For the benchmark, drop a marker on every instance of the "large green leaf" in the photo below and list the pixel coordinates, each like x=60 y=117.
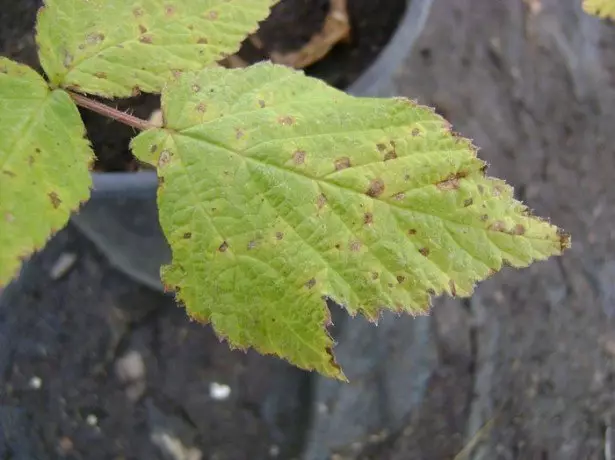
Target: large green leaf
x=600 y=8
x=119 y=47
x=277 y=191
x=44 y=161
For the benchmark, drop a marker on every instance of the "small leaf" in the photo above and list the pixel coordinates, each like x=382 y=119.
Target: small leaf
x=120 y=47
x=600 y=8
x=44 y=162
x=277 y=191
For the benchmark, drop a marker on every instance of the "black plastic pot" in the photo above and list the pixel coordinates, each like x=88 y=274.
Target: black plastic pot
x=121 y=216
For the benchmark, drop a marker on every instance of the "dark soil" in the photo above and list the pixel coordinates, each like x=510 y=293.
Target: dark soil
x=291 y=24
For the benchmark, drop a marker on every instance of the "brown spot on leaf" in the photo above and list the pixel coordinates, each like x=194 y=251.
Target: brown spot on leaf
x=355 y=246
x=453 y=288
x=196 y=88
x=261 y=103
x=310 y=283
x=518 y=230
x=286 y=120
x=94 y=38
x=213 y=15
x=375 y=275
x=279 y=236
x=55 y=199
x=299 y=157
x=390 y=155
x=401 y=279
x=202 y=41
x=368 y=218
x=381 y=147
x=138 y=11
x=338 y=246
x=452 y=181
x=169 y=10
x=102 y=75
x=153 y=148
x=416 y=132
x=145 y=39
x=223 y=247
x=424 y=251
x=6 y=172
x=498 y=226
x=497 y=191
x=468 y=202
x=430 y=291
x=142 y=28
x=484 y=217
x=321 y=200
x=376 y=188
x=342 y=163
x=239 y=133
x=399 y=196
x=251 y=245
x=187 y=235
x=480 y=188
x=202 y=108
x=412 y=231
x=564 y=239
x=68 y=59
x=165 y=158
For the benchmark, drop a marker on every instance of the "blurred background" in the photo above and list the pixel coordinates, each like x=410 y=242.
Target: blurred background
x=94 y=365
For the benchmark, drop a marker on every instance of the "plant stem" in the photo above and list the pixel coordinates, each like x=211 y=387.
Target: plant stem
x=110 y=112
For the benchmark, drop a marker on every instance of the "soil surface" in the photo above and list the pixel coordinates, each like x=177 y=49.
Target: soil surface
x=93 y=366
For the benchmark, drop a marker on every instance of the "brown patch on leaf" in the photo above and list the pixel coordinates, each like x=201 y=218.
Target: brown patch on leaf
x=376 y=188
x=6 y=172
x=279 y=236
x=518 y=230
x=196 y=88
x=202 y=108
x=223 y=247
x=286 y=120
x=431 y=291
x=452 y=181
x=342 y=163
x=375 y=275
x=202 y=41
x=213 y=15
x=145 y=39
x=453 y=288
x=399 y=196
x=416 y=132
x=498 y=226
x=239 y=133
x=480 y=188
x=153 y=148
x=338 y=246
x=381 y=147
x=299 y=157
x=310 y=283
x=137 y=12
x=484 y=217
x=95 y=38
x=142 y=28
x=390 y=155
x=187 y=235
x=564 y=239
x=102 y=75
x=468 y=202
x=401 y=279
x=321 y=200
x=55 y=199
x=165 y=158
x=169 y=10
x=368 y=218
x=424 y=251
x=412 y=231
x=261 y=103
x=355 y=246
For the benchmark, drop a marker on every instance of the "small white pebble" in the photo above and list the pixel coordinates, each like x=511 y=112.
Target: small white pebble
x=274 y=451
x=61 y=267
x=35 y=383
x=219 y=391
x=91 y=420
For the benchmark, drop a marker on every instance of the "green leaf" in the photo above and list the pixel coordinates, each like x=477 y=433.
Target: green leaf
x=44 y=161
x=277 y=191
x=121 y=47
x=600 y=8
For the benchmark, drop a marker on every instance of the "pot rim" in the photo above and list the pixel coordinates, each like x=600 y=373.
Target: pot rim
x=411 y=24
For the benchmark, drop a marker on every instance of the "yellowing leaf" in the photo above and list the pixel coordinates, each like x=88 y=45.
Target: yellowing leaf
x=600 y=8
x=277 y=191
x=44 y=162
x=119 y=47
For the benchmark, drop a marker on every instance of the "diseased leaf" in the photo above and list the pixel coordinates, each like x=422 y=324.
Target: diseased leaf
x=44 y=162
x=277 y=191
x=600 y=8
x=120 y=47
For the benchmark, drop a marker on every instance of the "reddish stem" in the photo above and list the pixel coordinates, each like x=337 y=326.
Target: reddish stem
x=110 y=112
